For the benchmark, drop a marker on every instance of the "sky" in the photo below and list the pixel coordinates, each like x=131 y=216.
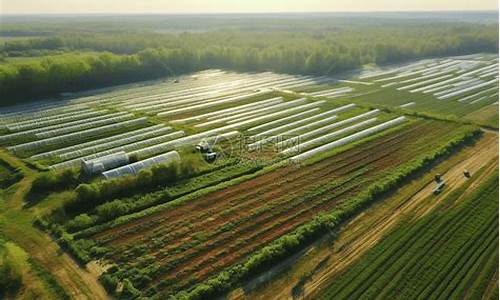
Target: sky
x=234 y=6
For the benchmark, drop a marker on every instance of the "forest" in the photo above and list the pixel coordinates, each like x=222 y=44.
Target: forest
x=40 y=62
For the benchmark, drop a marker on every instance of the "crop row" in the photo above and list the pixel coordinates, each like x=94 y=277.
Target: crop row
x=430 y=258
x=269 y=182
x=358 y=153
x=288 y=243
x=386 y=162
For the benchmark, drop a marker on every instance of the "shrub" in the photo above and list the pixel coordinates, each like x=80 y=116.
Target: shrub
x=10 y=279
x=89 y=196
x=111 y=210
x=109 y=283
x=76 y=248
x=287 y=244
x=165 y=174
x=52 y=181
x=129 y=291
x=86 y=192
x=13 y=265
x=79 y=222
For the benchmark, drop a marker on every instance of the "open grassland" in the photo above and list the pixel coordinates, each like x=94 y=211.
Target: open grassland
x=449 y=253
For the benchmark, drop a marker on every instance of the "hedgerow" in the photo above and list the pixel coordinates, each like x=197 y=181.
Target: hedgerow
x=289 y=243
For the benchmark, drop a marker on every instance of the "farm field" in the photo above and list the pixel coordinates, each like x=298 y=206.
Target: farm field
x=261 y=150
x=323 y=263
x=151 y=119
x=146 y=121
x=463 y=87
x=115 y=177
x=186 y=242
x=465 y=267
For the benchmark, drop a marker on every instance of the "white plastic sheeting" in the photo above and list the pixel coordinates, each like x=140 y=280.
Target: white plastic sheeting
x=142 y=133
x=489 y=67
x=478 y=99
x=409 y=104
x=32 y=124
x=332 y=92
x=134 y=168
x=216 y=91
x=267 y=139
x=284 y=120
x=207 y=105
x=278 y=114
x=298 y=146
x=348 y=139
x=459 y=85
x=433 y=74
x=125 y=148
x=429 y=88
x=477 y=94
x=321 y=130
x=74 y=125
x=491 y=73
x=146 y=138
x=252 y=113
x=167 y=146
x=468 y=89
x=39 y=113
x=241 y=114
x=227 y=111
x=297 y=123
x=75 y=136
x=99 y=165
x=85 y=124
x=423 y=82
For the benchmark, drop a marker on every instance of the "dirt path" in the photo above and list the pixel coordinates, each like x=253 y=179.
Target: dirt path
x=363 y=232
x=16 y=224
x=480 y=156
x=483 y=156
x=76 y=281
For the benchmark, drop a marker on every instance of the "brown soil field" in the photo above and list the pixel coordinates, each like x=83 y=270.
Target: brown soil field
x=356 y=237
x=204 y=236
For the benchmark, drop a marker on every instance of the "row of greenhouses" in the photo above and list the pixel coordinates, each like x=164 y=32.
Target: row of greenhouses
x=456 y=78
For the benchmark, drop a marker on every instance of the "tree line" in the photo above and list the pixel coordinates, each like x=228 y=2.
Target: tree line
x=103 y=59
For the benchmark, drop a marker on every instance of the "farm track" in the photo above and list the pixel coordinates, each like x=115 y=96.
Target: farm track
x=434 y=233
x=259 y=215
x=389 y=259
x=409 y=242
x=487 y=156
x=364 y=231
x=16 y=224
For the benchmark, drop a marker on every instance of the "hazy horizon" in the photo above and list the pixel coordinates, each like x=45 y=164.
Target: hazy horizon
x=246 y=13
x=78 y=7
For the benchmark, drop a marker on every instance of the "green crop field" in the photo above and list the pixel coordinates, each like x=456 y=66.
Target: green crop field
x=251 y=156
x=451 y=253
